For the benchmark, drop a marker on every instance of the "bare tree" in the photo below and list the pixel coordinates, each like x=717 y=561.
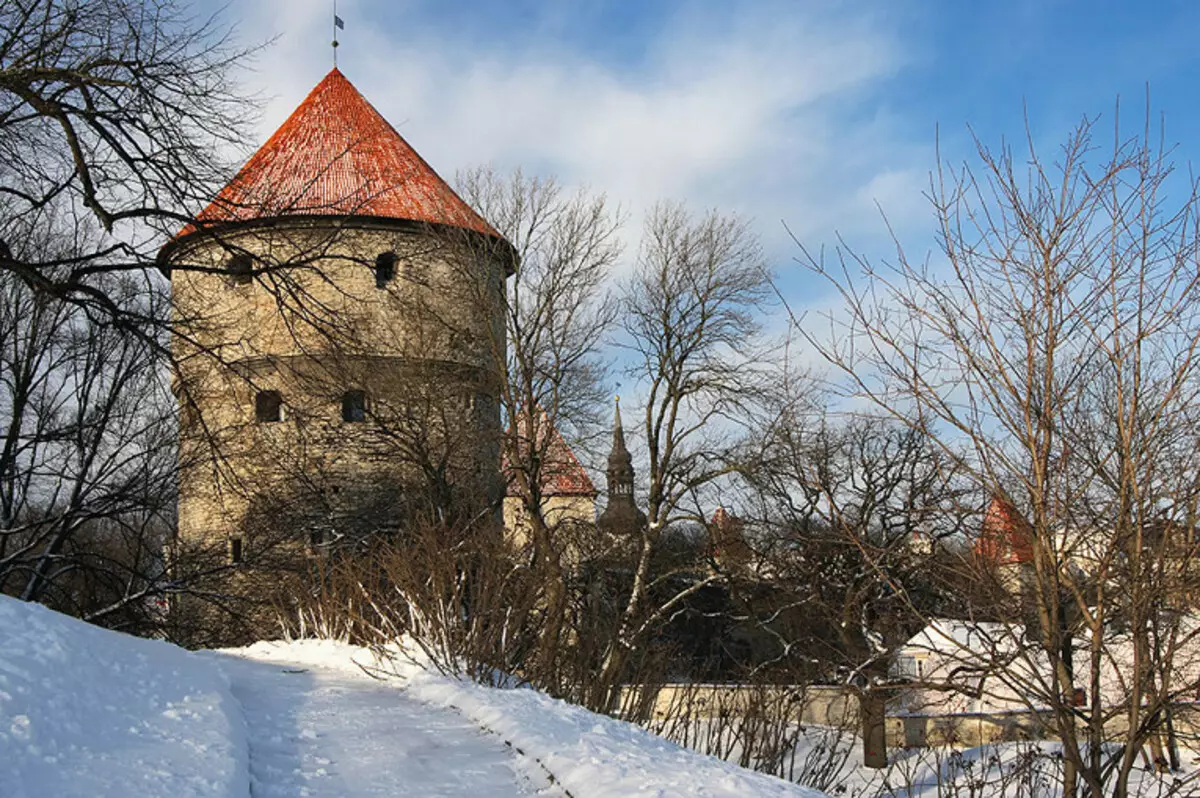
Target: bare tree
x=853 y=520
x=691 y=328
x=557 y=313
x=115 y=114
x=116 y=120
x=1055 y=346
x=87 y=458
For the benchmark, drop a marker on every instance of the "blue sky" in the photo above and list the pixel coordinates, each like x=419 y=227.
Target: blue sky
x=808 y=113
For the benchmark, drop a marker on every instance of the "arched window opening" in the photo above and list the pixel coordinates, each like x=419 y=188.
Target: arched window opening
x=240 y=268
x=354 y=406
x=268 y=407
x=385 y=268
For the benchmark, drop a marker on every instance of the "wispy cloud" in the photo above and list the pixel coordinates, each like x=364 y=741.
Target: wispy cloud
x=765 y=109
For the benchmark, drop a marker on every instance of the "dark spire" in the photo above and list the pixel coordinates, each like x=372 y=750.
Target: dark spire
x=620 y=455
x=622 y=515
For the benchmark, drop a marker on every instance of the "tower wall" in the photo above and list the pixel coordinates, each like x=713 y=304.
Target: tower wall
x=314 y=324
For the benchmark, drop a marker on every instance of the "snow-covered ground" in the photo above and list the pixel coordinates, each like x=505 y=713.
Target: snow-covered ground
x=85 y=711
x=88 y=712
x=831 y=759
x=585 y=754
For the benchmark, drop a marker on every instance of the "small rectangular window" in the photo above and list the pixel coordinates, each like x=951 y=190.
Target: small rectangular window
x=354 y=406
x=268 y=407
x=240 y=269
x=235 y=550
x=385 y=268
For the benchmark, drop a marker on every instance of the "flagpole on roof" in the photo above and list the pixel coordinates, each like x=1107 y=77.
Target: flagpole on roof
x=337 y=23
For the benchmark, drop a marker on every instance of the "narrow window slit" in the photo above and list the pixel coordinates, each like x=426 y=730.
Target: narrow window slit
x=240 y=269
x=268 y=407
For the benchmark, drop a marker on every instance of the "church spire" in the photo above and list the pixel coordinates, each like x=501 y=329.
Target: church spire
x=622 y=515
x=619 y=457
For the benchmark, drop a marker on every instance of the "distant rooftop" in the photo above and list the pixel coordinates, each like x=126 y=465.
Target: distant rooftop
x=562 y=473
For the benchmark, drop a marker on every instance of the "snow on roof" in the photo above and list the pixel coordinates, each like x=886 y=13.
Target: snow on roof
x=950 y=635
x=337 y=156
x=996 y=668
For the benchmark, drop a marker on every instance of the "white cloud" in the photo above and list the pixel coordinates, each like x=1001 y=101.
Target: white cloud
x=766 y=112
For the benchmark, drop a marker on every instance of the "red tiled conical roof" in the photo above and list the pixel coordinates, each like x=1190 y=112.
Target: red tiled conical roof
x=337 y=156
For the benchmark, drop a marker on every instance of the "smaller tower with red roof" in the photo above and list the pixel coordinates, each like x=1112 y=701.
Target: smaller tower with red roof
x=566 y=492
x=1005 y=544
x=727 y=541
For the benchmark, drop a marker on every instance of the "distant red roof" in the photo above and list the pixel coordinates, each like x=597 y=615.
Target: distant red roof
x=562 y=473
x=1006 y=538
x=337 y=156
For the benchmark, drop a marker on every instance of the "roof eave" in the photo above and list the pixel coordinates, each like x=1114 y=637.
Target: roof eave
x=210 y=231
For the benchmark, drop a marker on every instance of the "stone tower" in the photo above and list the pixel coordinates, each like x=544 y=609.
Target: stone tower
x=621 y=516
x=341 y=335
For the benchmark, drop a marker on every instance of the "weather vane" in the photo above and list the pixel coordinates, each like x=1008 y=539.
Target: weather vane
x=338 y=24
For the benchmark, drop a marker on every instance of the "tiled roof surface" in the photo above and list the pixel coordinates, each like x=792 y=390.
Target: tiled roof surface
x=336 y=155
x=1006 y=538
x=562 y=473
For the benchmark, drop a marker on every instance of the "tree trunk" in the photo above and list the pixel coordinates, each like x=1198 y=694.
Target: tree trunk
x=872 y=707
x=1070 y=778
x=1172 y=741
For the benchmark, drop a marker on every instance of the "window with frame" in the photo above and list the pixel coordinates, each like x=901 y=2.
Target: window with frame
x=235 y=550
x=268 y=407
x=354 y=406
x=385 y=269
x=240 y=269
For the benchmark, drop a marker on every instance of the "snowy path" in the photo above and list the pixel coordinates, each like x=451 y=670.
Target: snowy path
x=317 y=732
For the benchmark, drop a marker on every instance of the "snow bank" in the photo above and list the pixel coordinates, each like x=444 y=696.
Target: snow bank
x=595 y=756
x=591 y=755
x=89 y=712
